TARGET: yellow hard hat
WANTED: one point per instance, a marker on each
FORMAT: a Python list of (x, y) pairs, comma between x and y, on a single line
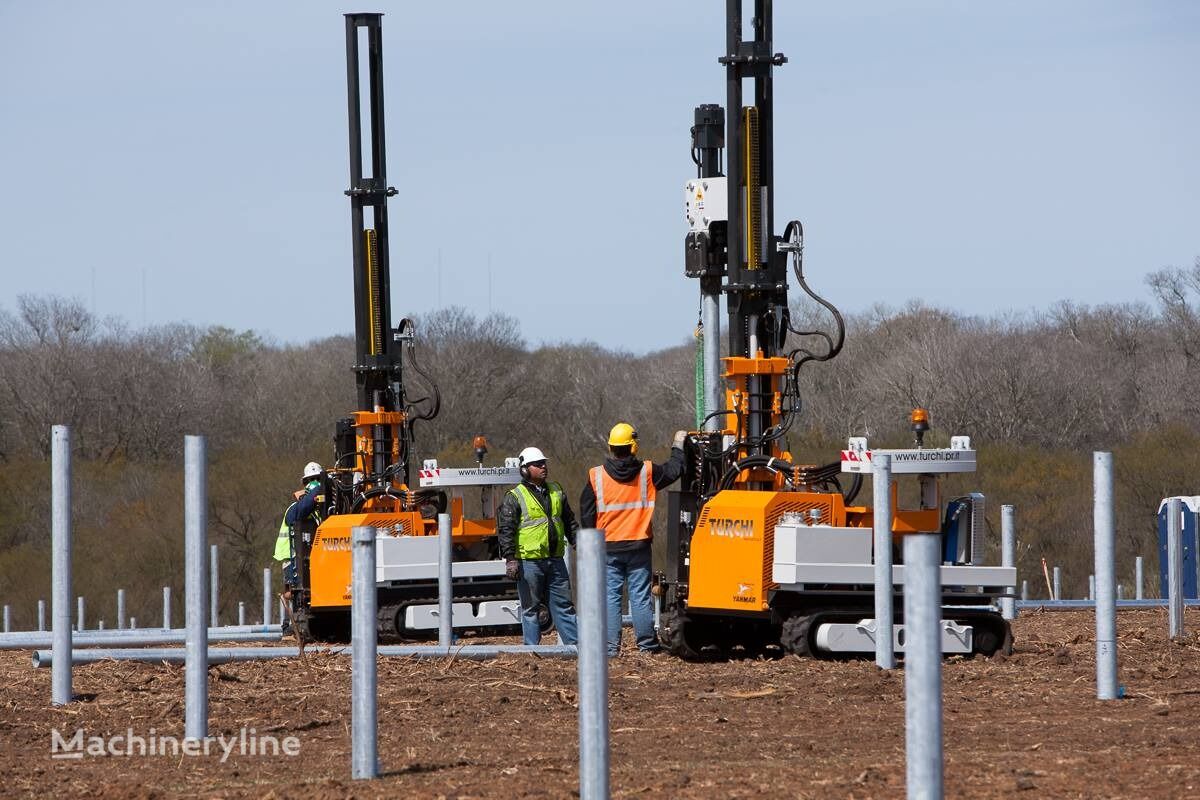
[(623, 435)]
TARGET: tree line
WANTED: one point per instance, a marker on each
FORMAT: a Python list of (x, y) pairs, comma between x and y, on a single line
[(1037, 392)]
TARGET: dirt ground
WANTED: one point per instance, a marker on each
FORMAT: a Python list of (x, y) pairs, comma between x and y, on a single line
[(509, 728)]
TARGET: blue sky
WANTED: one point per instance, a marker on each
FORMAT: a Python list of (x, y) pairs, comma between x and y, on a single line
[(186, 162)]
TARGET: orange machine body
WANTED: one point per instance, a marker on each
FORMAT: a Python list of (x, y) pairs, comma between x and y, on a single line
[(329, 558), (733, 545)]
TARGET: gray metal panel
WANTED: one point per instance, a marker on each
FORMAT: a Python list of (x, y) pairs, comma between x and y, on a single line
[(787, 574), (822, 544), (407, 558)]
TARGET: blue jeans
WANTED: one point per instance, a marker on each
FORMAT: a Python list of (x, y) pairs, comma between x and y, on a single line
[(632, 566), (537, 576)]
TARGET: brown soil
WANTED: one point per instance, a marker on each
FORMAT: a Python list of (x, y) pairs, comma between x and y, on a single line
[(509, 728)]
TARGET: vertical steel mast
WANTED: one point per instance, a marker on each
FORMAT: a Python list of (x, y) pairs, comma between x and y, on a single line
[(377, 347), (756, 285)]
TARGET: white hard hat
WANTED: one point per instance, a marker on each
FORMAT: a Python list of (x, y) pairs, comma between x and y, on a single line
[(312, 470), (530, 454)]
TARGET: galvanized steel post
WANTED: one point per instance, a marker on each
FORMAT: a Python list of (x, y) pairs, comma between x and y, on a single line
[(1008, 558), (1024, 590), (41, 615), (1091, 588), (1057, 584), (214, 584), (923, 666), (1175, 567), (120, 609), (445, 584), (881, 485), (7, 619), (1103, 583), (79, 609), (166, 607), (266, 606), (241, 612), (364, 761), (593, 667), (195, 514), (1139, 592), (60, 536), (133, 623)]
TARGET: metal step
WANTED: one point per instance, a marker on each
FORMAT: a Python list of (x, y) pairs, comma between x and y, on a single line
[(848, 637), (486, 614)]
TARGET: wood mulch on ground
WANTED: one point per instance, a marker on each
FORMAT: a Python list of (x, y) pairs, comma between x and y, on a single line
[(1028, 723)]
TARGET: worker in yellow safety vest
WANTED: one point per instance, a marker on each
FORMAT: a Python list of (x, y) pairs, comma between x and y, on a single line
[(302, 516), (619, 499), (533, 526)]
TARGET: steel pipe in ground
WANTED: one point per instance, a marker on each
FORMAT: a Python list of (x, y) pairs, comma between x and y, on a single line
[(41, 615), (1175, 567), (1008, 557), (60, 536), (195, 513), (226, 655), (214, 585), (1139, 593), (445, 584), (24, 640), (1058, 583), (166, 607), (593, 666), (364, 723), (923, 666), (266, 599), (881, 485), (1104, 580), (7, 619), (1075, 605)]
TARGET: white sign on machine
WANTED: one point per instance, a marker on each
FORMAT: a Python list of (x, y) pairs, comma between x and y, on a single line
[(958, 457)]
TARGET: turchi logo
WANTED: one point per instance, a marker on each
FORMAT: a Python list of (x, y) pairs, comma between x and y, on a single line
[(733, 528), (246, 742)]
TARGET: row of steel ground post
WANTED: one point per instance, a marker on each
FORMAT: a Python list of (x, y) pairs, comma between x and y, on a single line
[(922, 613)]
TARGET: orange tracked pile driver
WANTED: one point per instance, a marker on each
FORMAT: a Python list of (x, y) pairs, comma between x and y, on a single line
[(764, 552), (370, 482)]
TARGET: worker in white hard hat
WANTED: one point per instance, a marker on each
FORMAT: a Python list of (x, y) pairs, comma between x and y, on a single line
[(619, 499), (301, 518), (534, 524)]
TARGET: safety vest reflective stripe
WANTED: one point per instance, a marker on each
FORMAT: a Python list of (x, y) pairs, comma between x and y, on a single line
[(533, 532), (598, 476), (624, 510)]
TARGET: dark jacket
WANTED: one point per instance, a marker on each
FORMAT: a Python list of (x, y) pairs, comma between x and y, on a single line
[(304, 507), (626, 470), (508, 519)]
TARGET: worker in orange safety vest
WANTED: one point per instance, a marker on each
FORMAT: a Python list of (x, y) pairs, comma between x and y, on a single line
[(619, 499)]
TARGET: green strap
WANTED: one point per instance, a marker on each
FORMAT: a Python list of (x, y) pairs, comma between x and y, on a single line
[(700, 410)]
